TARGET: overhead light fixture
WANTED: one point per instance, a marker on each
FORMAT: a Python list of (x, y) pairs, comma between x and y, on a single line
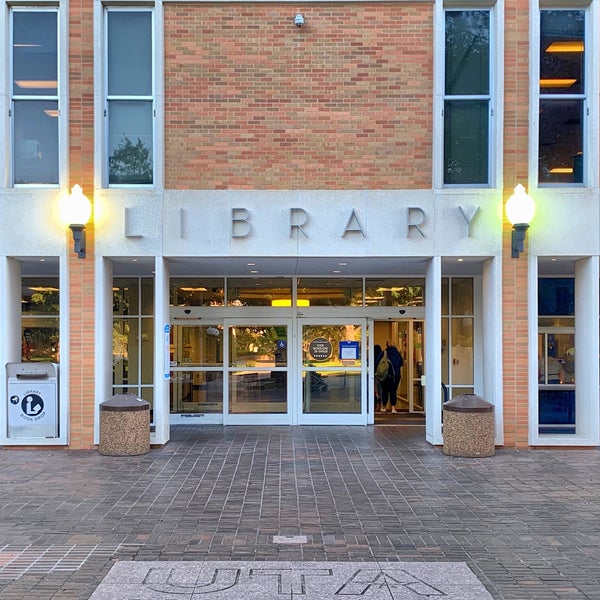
[(288, 302), (26, 84), (520, 209), (566, 46), (76, 210), (561, 170), (557, 83)]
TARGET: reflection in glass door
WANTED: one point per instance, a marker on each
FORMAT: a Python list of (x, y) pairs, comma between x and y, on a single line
[(257, 372), (196, 378), (332, 374)]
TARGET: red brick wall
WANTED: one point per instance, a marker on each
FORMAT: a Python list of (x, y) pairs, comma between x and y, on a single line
[(515, 271), (81, 271), (253, 102)]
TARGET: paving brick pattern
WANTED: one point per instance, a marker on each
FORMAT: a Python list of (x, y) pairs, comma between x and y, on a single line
[(527, 523)]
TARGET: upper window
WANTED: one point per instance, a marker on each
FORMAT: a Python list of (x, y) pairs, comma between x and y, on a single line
[(562, 91), (130, 97), (34, 96), (467, 97)]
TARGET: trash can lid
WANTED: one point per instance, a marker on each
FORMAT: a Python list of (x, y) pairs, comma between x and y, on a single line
[(470, 403), (124, 403)]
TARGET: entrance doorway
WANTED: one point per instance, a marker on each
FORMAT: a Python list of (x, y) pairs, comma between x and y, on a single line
[(408, 336)]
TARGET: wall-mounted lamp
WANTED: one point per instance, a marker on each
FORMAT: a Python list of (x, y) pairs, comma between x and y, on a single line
[(76, 210), (299, 20), (520, 209)]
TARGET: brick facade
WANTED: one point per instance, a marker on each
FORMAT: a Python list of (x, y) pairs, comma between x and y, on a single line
[(253, 102)]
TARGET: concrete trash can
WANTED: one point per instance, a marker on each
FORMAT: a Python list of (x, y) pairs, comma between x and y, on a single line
[(124, 426), (469, 427)]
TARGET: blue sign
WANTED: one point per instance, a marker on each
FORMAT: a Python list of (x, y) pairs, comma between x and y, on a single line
[(282, 344), (349, 350)]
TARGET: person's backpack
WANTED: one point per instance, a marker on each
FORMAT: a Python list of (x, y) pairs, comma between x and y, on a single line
[(385, 369)]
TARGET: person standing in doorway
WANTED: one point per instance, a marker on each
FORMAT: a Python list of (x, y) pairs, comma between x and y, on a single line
[(390, 385)]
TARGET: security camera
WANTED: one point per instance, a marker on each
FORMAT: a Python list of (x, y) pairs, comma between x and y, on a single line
[(187, 311), (299, 20)]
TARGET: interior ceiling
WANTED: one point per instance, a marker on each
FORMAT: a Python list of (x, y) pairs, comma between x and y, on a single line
[(268, 266)]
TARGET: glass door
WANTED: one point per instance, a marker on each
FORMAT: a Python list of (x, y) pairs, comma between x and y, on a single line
[(332, 382), (196, 372), (257, 381)]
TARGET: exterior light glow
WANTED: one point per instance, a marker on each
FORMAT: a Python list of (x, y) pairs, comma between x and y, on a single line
[(520, 209), (75, 212)]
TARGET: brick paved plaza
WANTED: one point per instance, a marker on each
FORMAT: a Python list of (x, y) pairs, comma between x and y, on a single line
[(525, 524)]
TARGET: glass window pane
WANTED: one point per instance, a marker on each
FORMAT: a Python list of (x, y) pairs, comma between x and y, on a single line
[(562, 51), (466, 139), (40, 296), (196, 391), (322, 345), (35, 53), (198, 345), (462, 296), (557, 411), (445, 355), (561, 141), (125, 351), (35, 152), (258, 392), (331, 392), (467, 52), (394, 292), (258, 346), (39, 341), (130, 53), (556, 296), (130, 142), (197, 292), (147, 296), (259, 292), (147, 353), (462, 351), (330, 292), (125, 296)]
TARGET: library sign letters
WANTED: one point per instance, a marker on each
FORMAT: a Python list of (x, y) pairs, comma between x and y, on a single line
[(411, 223)]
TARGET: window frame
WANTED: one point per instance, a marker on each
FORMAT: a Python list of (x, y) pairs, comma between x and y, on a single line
[(58, 97), (494, 83), (584, 97), (108, 98)]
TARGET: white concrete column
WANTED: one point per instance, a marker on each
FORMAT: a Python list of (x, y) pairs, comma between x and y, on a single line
[(161, 435), (433, 344), (492, 340), (104, 337), (587, 349)]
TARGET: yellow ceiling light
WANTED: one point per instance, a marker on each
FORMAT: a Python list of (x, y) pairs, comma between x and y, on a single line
[(561, 170), (30, 84), (288, 302), (567, 46), (557, 83)]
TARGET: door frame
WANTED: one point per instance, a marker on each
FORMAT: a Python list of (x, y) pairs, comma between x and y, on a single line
[(258, 418), (361, 418)]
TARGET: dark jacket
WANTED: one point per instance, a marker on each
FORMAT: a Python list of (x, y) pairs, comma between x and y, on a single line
[(396, 359)]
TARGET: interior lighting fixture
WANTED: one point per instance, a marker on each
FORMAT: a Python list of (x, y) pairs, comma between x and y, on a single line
[(557, 83), (76, 210), (520, 209), (566, 46), (561, 170), (25, 84)]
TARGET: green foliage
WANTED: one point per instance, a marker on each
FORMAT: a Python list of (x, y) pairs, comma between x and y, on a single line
[(130, 163)]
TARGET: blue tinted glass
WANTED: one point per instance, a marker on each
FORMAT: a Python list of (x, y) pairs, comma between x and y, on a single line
[(556, 296), (35, 54), (467, 52), (557, 411)]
